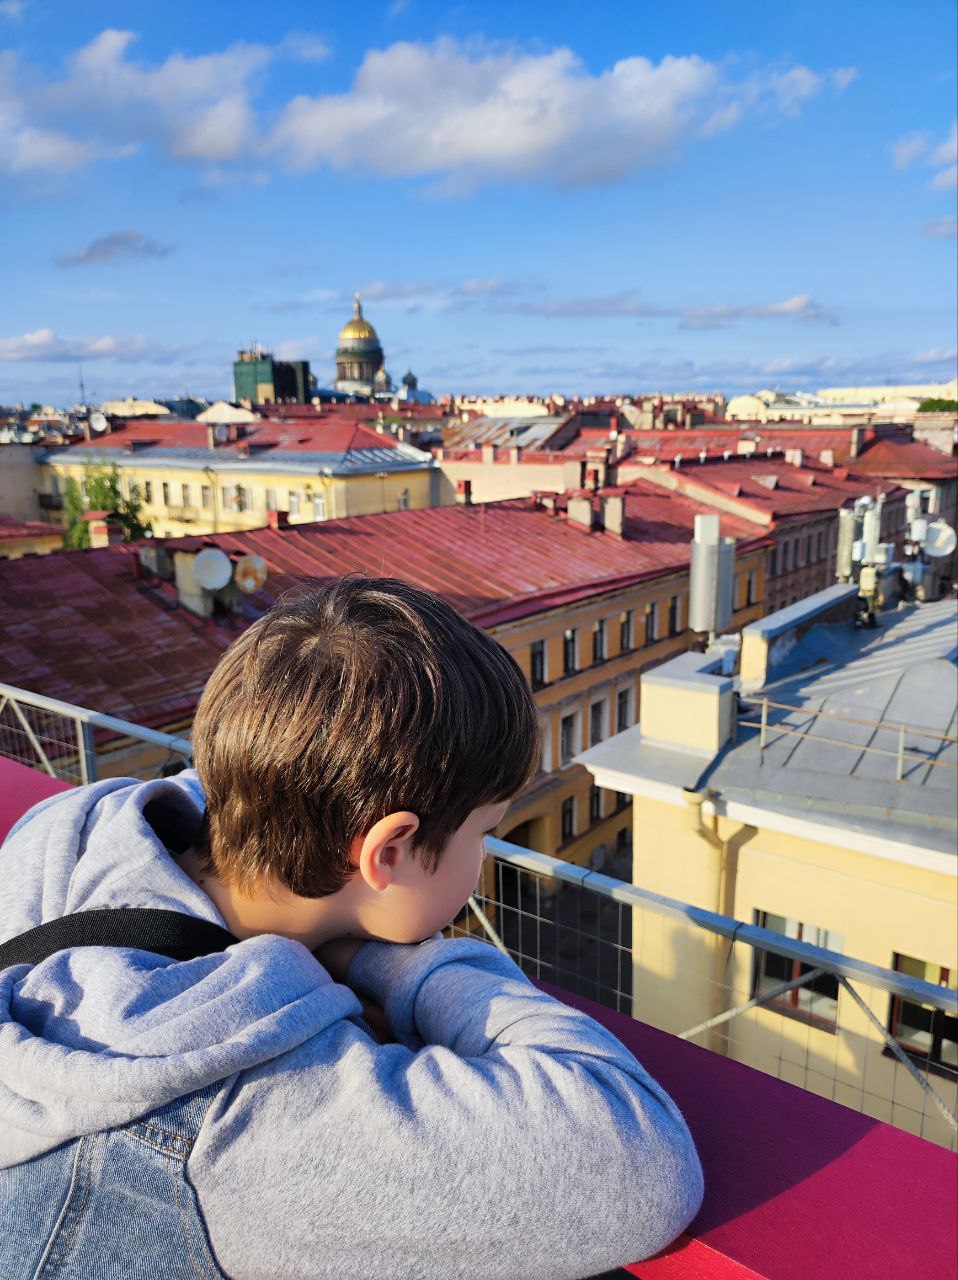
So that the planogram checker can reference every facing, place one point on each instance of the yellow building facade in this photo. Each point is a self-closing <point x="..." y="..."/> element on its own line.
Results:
<point x="813" y="837"/>
<point x="222" y="495"/>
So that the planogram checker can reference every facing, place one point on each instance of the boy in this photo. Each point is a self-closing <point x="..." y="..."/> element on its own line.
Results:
<point x="232" y="1114"/>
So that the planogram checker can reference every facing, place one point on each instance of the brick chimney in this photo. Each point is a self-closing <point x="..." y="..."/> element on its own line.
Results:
<point x="210" y="436"/>
<point x="277" y="519"/>
<point x="488" y="453"/>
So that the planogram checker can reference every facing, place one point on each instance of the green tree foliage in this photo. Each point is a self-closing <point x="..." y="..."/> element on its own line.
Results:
<point x="938" y="406"/>
<point x="103" y="494"/>
<point x="78" y="531"/>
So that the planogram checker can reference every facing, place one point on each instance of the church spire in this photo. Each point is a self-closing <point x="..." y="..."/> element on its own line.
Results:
<point x="357" y="307"/>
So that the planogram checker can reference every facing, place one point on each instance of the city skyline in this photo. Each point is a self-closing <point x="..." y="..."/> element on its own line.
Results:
<point x="535" y="202"/>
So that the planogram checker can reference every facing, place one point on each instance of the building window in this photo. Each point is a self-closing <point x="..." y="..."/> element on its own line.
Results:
<point x="929" y="1034"/>
<point x="621" y="838"/>
<point x="621" y="801"/>
<point x="568" y="651"/>
<point x="674" y="607"/>
<point x="786" y="556"/>
<point x="598" y="641"/>
<point x="404" y="500"/>
<point x="625" y="631"/>
<point x="55" y="485"/>
<point x="185" y="494"/>
<point x="808" y="549"/>
<point x="293" y="502"/>
<point x="773" y="562"/>
<point x="319" y="506"/>
<point x="595" y="803"/>
<point x="622" y="710"/>
<point x="821" y="544"/>
<point x="537" y="664"/>
<point x="270" y="499"/>
<point x="166" y="494"/>
<point x="652" y="622"/>
<point x="817" y="1001"/>
<point x="206" y="496"/>
<point x="147" y="490"/>
<point x="567" y="748"/>
<point x="751" y="587"/>
<point x="596" y="719"/>
<point x="568" y="817"/>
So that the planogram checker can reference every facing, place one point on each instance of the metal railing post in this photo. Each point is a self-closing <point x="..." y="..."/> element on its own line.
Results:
<point x="763" y="735"/>
<point x="86" y="753"/>
<point x="900" y="773"/>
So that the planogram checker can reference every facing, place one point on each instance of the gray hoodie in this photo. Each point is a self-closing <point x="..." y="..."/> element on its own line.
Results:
<point x="506" y="1135"/>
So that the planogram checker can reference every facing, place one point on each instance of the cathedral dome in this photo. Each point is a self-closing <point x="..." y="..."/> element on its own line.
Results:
<point x="358" y="330"/>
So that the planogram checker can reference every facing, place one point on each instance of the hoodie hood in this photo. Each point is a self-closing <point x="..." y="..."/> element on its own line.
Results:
<point x="94" y="1037"/>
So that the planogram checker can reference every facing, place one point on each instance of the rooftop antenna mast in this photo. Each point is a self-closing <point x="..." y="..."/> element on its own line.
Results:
<point x="82" y="389"/>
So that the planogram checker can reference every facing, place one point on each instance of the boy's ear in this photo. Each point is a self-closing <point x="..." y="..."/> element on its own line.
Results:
<point x="377" y="853"/>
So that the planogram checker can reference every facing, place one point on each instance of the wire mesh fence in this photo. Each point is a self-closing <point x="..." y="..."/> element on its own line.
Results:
<point x="78" y="745"/>
<point x="875" y="1040"/>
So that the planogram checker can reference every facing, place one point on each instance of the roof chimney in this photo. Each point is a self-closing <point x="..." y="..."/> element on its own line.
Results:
<point x="210" y="436"/>
<point x="613" y="514"/>
<point x="277" y="519"/>
<point x="579" y="511"/>
<point x="827" y="457"/>
<point x="99" y="533"/>
<point x="794" y="457"/>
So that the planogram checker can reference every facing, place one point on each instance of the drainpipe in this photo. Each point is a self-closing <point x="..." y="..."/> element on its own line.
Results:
<point x="724" y="896"/>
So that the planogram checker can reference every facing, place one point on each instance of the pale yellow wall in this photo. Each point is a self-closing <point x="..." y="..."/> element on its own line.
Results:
<point x="506" y="407"/>
<point x="541" y="804"/>
<point x="877" y="906"/>
<point x="494" y="481"/>
<point x="916" y="390"/>
<point x="21" y="479"/>
<point x="42" y="544"/>
<point x="345" y="495"/>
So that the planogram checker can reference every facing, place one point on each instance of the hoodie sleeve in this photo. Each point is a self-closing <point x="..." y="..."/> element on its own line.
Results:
<point x="522" y="1141"/>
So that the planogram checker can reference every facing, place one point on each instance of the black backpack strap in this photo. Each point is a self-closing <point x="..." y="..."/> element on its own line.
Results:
<point x="168" y="933"/>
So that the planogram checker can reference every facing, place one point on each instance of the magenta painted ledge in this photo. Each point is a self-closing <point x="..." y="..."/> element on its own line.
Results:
<point x="20" y="789"/>
<point x="796" y="1187"/>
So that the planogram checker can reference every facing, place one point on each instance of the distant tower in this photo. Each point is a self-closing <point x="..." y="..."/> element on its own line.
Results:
<point x="410" y="381"/>
<point x="359" y="356"/>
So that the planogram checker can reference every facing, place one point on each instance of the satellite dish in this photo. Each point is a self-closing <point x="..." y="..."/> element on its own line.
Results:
<point x="250" y="573"/>
<point x="940" y="539"/>
<point x="221" y="433"/>
<point x="98" y="422"/>
<point x="212" y="569"/>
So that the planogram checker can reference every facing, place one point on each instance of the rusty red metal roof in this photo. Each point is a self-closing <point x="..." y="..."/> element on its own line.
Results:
<point x="77" y="625"/>
<point x="12" y="527"/>
<point x="336" y="435"/>
<point x="493" y="562"/>
<point x="776" y="488"/>
<point x="902" y="459"/>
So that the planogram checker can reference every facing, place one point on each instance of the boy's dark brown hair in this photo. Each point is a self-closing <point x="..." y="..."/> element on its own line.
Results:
<point x="351" y="699"/>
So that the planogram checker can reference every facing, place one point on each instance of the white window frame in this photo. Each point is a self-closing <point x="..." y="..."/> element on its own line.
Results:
<point x="575" y="717"/>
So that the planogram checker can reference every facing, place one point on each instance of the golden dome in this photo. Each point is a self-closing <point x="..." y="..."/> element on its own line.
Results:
<point x="358" y="327"/>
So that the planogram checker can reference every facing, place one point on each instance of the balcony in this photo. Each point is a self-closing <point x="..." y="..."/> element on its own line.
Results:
<point x="797" y="1186"/>
<point x="185" y="514"/>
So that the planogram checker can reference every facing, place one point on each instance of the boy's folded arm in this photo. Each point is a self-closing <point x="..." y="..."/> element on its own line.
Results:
<point x="523" y="1140"/>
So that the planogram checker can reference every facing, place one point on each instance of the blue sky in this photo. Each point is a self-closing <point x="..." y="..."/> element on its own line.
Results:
<point x="540" y="197"/>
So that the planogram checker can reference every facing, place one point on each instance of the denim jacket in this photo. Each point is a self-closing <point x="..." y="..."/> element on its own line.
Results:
<point x="115" y="1205"/>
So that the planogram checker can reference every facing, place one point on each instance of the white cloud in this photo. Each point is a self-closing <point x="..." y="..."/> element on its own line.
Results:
<point x="943" y="157"/>
<point x="45" y="345"/>
<point x="460" y="113"/>
<point x="471" y="112"/>
<point x="12" y="9"/>
<point x="937" y="355"/>
<point x="118" y="244"/>
<point x="800" y="307"/>
<point x="943" y="228"/>
<point x="25" y="148"/>
<point x="908" y="149"/>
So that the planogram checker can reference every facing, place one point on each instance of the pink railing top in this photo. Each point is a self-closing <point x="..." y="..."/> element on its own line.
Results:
<point x="797" y="1187"/>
